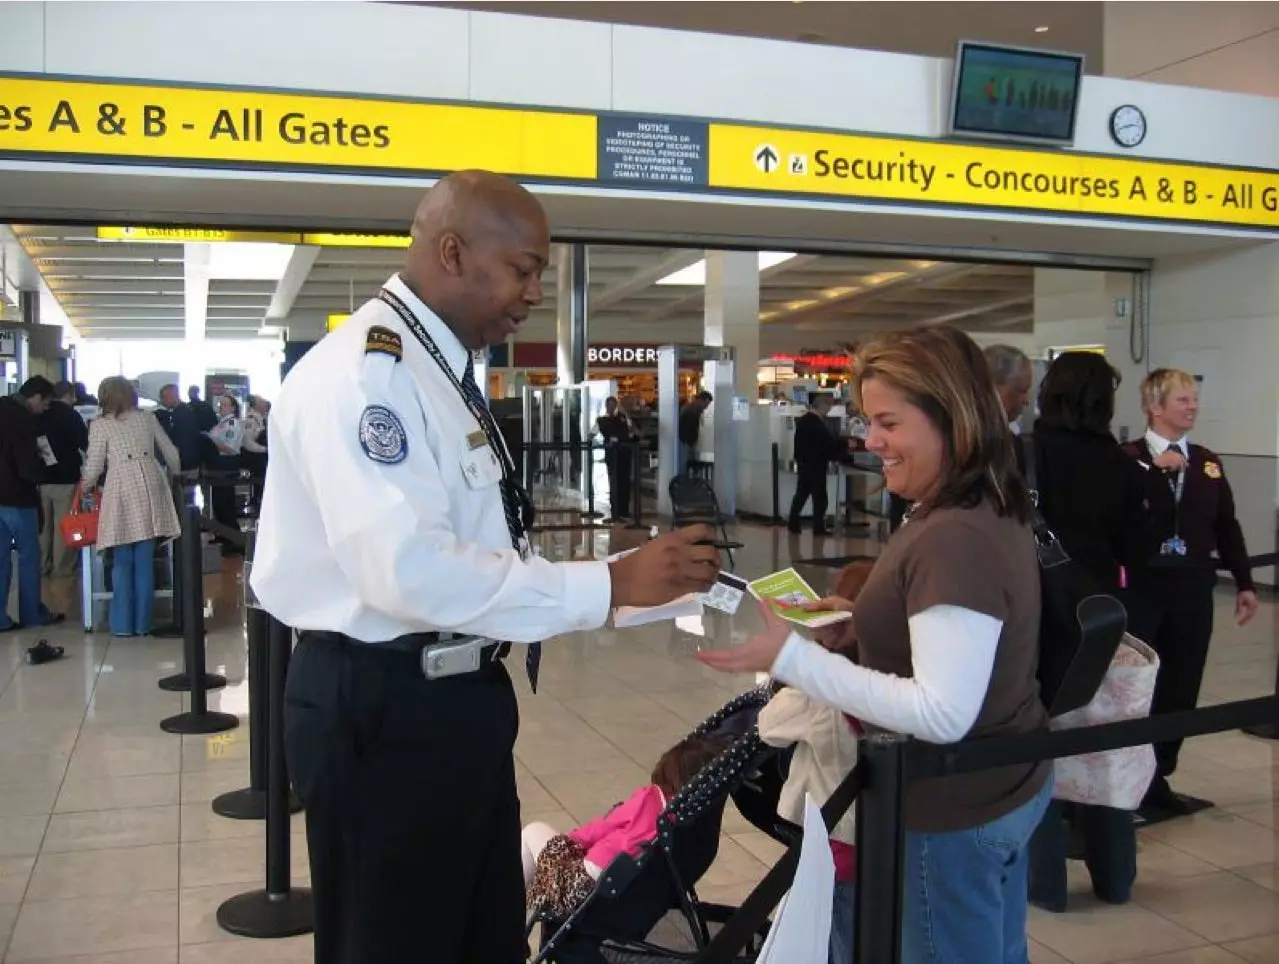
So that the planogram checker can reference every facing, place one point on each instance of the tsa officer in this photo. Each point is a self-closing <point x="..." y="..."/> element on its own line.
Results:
<point x="393" y="537"/>
<point x="1192" y="516"/>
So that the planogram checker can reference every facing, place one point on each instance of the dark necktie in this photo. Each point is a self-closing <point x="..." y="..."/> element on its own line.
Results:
<point x="510" y="504"/>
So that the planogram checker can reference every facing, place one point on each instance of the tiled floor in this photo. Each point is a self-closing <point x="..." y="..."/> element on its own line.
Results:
<point x="110" y="854"/>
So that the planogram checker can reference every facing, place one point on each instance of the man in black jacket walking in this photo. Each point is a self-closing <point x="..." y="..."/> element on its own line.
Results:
<point x="68" y="438"/>
<point x="815" y="448"/>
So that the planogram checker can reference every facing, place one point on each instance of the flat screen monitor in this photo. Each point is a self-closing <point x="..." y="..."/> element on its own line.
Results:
<point x="1015" y="93"/>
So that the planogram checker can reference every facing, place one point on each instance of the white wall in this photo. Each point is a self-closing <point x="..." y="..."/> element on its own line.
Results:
<point x="430" y="52"/>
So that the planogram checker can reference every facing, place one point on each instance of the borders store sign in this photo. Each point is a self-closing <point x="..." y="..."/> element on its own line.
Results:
<point x="120" y="122"/>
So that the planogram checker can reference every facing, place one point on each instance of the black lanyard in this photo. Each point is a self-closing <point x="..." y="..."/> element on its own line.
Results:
<point x="1177" y="488"/>
<point x="481" y="415"/>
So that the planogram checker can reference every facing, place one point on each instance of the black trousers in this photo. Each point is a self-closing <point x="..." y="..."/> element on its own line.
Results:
<point x="620" y="464"/>
<point x="412" y="815"/>
<point x="1110" y="853"/>
<point x="810" y="483"/>
<point x="1171" y="609"/>
<point x="222" y="495"/>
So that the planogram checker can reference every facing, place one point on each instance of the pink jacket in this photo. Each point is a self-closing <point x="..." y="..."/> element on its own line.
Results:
<point x="624" y="829"/>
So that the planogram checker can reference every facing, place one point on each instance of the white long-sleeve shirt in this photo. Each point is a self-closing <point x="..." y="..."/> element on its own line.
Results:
<point x="379" y="529"/>
<point x="952" y="657"/>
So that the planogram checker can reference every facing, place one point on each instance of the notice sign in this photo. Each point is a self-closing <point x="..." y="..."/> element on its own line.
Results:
<point x="656" y="152"/>
<point x="949" y="173"/>
<point x="299" y="131"/>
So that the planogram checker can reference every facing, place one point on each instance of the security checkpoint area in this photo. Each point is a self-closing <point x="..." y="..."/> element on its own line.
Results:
<point x="181" y="205"/>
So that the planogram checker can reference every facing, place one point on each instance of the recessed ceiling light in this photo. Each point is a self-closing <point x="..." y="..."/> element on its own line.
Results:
<point x="1041" y="30"/>
<point x="695" y="274"/>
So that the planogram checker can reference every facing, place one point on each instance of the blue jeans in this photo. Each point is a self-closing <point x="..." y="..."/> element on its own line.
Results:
<point x="841" y="924"/>
<point x="965" y="891"/>
<point x="20" y="529"/>
<point x="132" y="588"/>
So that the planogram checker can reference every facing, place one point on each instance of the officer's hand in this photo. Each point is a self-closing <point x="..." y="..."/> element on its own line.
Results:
<point x="1171" y="460"/>
<point x="666" y="567"/>
<point x="1246" y="606"/>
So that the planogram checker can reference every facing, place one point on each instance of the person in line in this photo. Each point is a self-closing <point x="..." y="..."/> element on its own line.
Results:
<point x="619" y="434"/>
<point x="1013" y="376"/>
<point x="1192" y="517"/>
<point x="228" y="439"/>
<point x="68" y="438"/>
<point x="690" y="427"/>
<point x="137" y="506"/>
<point x="253" y="452"/>
<point x="1092" y="496"/>
<point x="178" y="419"/>
<point x="393" y="537"/>
<point x="947" y="637"/>
<point x="815" y="448"/>
<point x="560" y="870"/>
<point x="22" y="471"/>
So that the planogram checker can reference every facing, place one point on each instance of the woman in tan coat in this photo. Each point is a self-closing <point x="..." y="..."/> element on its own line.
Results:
<point x="137" y="507"/>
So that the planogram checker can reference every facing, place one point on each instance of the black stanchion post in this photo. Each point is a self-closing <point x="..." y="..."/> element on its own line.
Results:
<point x="188" y="565"/>
<point x="173" y="630"/>
<point x="250" y="802"/>
<point x="881" y="843"/>
<point x="198" y="719"/>
<point x="279" y="910"/>
<point x="777" y="495"/>
<point x="637" y="473"/>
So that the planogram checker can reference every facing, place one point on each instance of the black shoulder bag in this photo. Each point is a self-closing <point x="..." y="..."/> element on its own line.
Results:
<point x="1080" y="626"/>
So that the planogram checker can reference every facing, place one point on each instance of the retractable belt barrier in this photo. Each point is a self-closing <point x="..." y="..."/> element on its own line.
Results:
<point x="279" y="909"/>
<point x="889" y="763"/>
<point x="587" y="517"/>
<point x="198" y="719"/>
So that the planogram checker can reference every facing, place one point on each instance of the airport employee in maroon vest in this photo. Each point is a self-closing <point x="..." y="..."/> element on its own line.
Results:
<point x="1192" y="519"/>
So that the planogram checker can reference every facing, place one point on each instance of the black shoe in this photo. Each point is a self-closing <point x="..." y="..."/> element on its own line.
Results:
<point x="794" y="528"/>
<point x="823" y="532"/>
<point x="1161" y="799"/>
<point x="42" y="652"/>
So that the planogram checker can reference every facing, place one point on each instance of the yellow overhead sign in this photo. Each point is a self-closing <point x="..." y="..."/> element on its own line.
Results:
<point x="357" y="240"/>
<point x="214" y="235"/>
<point x="247" y="129"/>
<point x="951" y="173"/>
<point x="292" y="130"/>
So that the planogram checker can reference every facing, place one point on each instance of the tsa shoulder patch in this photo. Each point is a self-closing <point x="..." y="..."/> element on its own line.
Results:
<point x="382" y="435"/>
<point x="383" y="341"/>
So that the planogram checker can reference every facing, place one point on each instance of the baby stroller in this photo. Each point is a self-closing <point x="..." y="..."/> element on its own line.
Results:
<point x="634" y="894"/>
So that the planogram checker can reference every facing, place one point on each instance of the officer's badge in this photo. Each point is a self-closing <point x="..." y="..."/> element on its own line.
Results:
<point x="382" y="435"/>
<point x="383" y="341"/>
<point x="1212" y="470"/>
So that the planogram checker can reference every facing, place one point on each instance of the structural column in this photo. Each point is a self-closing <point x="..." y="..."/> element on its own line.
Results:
<point x="732" y="319"/>
<point x="570" y="313"/>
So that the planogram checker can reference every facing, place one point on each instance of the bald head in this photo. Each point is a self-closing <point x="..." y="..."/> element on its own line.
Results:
<point x="480" y="244"/>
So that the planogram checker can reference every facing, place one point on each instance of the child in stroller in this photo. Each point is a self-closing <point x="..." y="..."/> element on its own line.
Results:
<point x="560" y="870"/>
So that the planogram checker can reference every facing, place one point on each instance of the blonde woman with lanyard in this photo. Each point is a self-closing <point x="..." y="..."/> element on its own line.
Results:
<point x="1192" y="514"/>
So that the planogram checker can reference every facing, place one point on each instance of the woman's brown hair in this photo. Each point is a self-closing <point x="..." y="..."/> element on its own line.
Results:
<point x="116" y="396"/>
<point x="944" y="374"/>
<point x="683" y="761"/>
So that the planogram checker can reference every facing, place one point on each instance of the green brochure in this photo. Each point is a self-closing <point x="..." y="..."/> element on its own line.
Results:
<point x="788" y="586"/>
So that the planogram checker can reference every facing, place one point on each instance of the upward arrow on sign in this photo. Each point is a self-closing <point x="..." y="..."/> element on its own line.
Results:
<point x="766" y="158"/>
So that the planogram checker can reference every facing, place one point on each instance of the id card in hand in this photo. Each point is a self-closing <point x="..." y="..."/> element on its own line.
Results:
<point x="726" y="595"/>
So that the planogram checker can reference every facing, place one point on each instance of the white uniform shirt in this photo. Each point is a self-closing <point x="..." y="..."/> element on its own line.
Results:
<point x="376" y="550"/>
<point x="1159" y="445"/>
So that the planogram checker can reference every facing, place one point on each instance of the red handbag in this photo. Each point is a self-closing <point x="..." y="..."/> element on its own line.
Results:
<point x="80" y="525"/>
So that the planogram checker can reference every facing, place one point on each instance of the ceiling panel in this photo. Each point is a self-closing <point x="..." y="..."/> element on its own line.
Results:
<point x="136" y="289"/>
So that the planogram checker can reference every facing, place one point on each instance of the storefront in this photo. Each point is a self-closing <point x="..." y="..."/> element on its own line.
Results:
<point x="633" y="367"/>
<point x="783" y="376"/>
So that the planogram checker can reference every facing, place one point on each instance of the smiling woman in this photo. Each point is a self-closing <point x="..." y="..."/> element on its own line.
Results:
<point x="947" y="635"/>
